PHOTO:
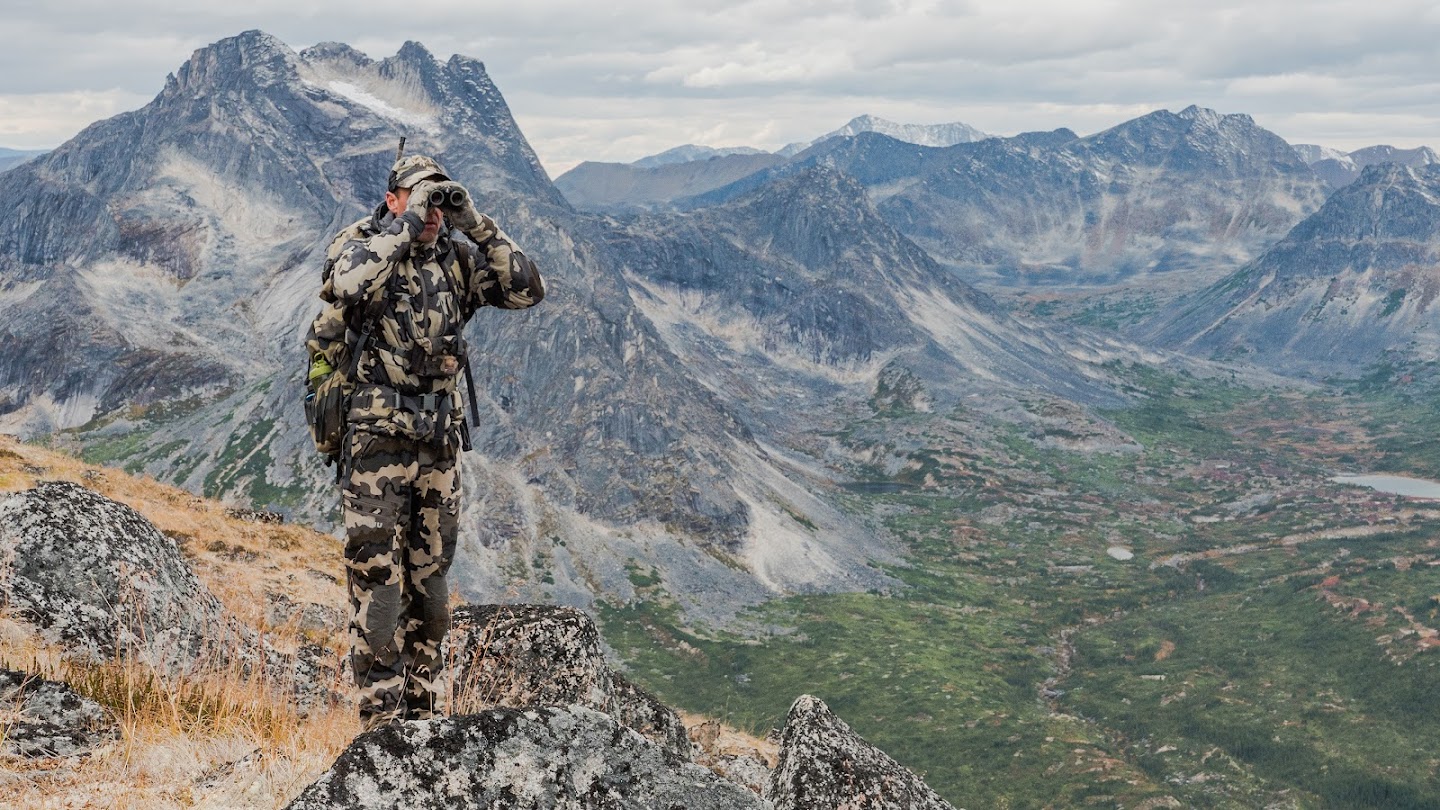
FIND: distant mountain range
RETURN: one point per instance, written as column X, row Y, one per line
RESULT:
column 1195, row 194
column 657, row 181
column 691, row 152
column 1340, row 169
column 918, row 134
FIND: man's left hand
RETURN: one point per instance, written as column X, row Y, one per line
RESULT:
column 463, row 216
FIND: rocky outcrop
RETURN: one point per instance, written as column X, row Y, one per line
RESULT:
column 823, row 764
column 97, row 578
column 537, row 655
column 100, row 579
column 548, row 758
column 43, row 718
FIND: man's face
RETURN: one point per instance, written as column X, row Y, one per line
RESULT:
column 398, row 199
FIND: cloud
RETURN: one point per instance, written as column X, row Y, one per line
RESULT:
column 44, row 120
column 791, row 69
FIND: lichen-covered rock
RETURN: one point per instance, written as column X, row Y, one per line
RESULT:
column 97, row 578
column 551, row 758
column 542, row 655
column 40, row 718
column 826, row 766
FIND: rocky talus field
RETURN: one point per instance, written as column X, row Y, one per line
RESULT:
column 159, row 650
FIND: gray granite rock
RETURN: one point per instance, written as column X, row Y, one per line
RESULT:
column 552, row 758
column 97, row 578
column 42, row 718
column 541, row 655
column 826, row 766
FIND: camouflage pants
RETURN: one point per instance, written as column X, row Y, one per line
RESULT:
column 401, row 502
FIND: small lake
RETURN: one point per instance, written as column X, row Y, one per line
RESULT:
column 1393, row 484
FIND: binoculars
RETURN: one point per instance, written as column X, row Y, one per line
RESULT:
column 452, row 197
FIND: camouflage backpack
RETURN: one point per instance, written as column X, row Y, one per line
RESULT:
column 337, row 338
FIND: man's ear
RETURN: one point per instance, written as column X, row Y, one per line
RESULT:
column 391, row 202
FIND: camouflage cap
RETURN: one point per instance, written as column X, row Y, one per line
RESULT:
column 410, row 170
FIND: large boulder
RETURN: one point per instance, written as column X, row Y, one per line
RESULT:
column 100, row 579
column 550, row 758
column 540, row 655
column 825, row 766
column 97, row 578
column 42, row 718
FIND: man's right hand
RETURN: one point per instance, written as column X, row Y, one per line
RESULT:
column 419, row 202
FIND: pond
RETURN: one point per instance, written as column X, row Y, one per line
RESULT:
column 1393, row 484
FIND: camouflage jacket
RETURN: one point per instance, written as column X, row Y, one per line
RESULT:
column 418, row 298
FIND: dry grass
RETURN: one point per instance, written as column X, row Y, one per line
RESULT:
column 219, row 739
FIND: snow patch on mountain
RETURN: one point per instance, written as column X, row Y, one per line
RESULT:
column 418, row 119
column 918, row 134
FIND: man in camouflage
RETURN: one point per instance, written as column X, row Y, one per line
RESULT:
column 416, row 272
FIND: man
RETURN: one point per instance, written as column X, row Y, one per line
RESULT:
column 408, row 278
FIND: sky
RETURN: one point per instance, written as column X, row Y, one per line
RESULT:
column 621, row 79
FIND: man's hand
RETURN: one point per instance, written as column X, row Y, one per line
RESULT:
column 463, row 216
column 419, row 202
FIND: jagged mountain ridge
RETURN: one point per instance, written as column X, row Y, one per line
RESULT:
column 1193, row 191
column 1351, row 284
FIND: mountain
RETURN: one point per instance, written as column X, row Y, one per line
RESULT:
column 163, row 267
column 10, row 158
column 1347, row 287
column 690, row 152
column 618, row 187
column 1314, row 153
column 157, row 283
column 801, row 286
column 919, row 134
column 1193, row 193
column 1340, row 169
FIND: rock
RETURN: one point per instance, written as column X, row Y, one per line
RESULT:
column 307, row 617
column 552, row 758
column 539, row 655
column 823, row 764
column 99, row 579
column 43, row 718
column 256, row 516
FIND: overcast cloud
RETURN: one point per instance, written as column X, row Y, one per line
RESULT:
column 626, row 78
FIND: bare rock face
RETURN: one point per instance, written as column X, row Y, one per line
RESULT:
column 823, row 764
column 549, row 758
column 539, row 655
column 44, row 718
